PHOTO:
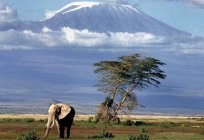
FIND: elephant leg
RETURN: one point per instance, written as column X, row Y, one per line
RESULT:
column 68, row 129
column 61, row 132
column 70, row 121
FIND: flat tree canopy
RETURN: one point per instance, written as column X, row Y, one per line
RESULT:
column 120, row 79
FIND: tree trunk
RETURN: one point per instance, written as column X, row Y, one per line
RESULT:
column 123, row 100
column 119, row 105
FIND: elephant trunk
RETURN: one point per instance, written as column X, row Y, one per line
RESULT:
column 50, row 123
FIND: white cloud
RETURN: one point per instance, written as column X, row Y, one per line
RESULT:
column 67, row 36
column 8, row 18
column 198, row 3
column 121, row 39
column 132, row 39
column 84, row 37
column 7, row 14
column 189, row 48
column 192, row 3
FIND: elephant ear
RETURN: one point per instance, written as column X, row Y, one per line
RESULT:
column 65, row 109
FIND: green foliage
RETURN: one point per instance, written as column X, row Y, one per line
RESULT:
column 91, row 119
column 30, row 135
column 128, row 123
column 202, row 132
column 120, row 78
column 104, row 134
column 144, row 130
column 139, row 137
column 29, row 120
column 132, row 123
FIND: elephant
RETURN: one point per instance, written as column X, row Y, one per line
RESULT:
column 61, row 114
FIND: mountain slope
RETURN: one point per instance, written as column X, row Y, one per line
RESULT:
column 103, row 17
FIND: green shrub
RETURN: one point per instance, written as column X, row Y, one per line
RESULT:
column 139, row 137
column 131, row 123
column 28, row 120
column 30, row 135
column 139, row 123
column 104, row 134
column 202, row 132
column 144, row 130
column 41, row 120
column 128, row 123
column 90, row 119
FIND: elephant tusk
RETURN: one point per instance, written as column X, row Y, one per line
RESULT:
column 46, row 126
column 53, row 122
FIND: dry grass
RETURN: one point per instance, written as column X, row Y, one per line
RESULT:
column 123, row 117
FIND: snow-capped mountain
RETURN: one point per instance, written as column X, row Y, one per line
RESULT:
column 103, row 17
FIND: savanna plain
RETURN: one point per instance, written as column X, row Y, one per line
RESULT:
column 85, row 127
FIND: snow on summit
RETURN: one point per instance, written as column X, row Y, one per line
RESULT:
column 74, row 6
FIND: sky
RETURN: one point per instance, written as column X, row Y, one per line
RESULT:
column 187, row 15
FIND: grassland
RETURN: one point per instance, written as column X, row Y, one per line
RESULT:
column 157, row 128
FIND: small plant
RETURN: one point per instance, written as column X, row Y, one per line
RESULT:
column 90, row 119
column 139, row 123
column 28, row 120
column 104, row 134
column 30, row 135
column 144, row 130
column 202, row 132
column 131, row 123
column 128, row 123
column 139, row 137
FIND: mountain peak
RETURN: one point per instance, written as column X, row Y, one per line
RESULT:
column 103, row 18
column 76, row 6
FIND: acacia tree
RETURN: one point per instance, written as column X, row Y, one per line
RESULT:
column 120, row 79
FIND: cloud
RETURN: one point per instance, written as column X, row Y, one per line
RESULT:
column 191, row 3
column 8, row 17
column 189, row 48
column 87, row 38
column 67, row 36
column 197, row 3
column 7, row 14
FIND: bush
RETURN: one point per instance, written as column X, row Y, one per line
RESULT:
column 30, row 135
column 104, row 134
column 140, row 137
column 131, row 123
column 128, row 123
column 139, row 123
column 90, row 119
column 28, row 120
